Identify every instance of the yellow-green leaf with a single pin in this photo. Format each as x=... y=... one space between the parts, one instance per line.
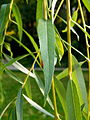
x=87 y=4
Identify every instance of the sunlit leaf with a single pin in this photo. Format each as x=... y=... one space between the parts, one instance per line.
x=74 y=17
x=87 y=4
x=18 y=18
x=72 y=101
x=35 y=105
x=47 y=46
x=19 y=104
x=4 y=18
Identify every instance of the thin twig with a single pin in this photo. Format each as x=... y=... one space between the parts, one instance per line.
x=30 y=71
x=69 y=39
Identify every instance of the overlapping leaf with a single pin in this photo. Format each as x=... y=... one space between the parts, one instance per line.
x=47 y=44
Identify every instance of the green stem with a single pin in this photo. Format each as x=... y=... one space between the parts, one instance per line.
x=54 y=101
x=30 y=70
x=58 y=9
x=69 y=39
x=45 y=9
x=88 y=55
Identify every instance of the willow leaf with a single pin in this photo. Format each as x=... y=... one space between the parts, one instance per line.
x=72 y=101
x=13 y=60
x=41 y=87
x=62 y=95
x=19 y=109
x=18 y=18
x=59 y=47
x=4 y=17
x=13 y=76
x=47 y=46
x=79 y=81
x=87 y=4
x=39 y=14
x=35 y=105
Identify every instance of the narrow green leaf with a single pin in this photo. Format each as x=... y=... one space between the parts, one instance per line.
x=87 y=4
x=39 y=13
x=47 y=46
x=63 y=74
x=28 y=35
x=72 y=101
x=13 y=60
x=23 y=69
x=32 y=40
x=7 y=106
x=79 y=81
x=12 y=75
x=28 y=89
x=19 y=104
x=14 y=117
x=27 y=49
x=74 y=17
x=35 y=105
x=8 y=47
x=41 y=87
x=59 y=47
x=18 y=18
x=4 y=17
x=62 y=95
